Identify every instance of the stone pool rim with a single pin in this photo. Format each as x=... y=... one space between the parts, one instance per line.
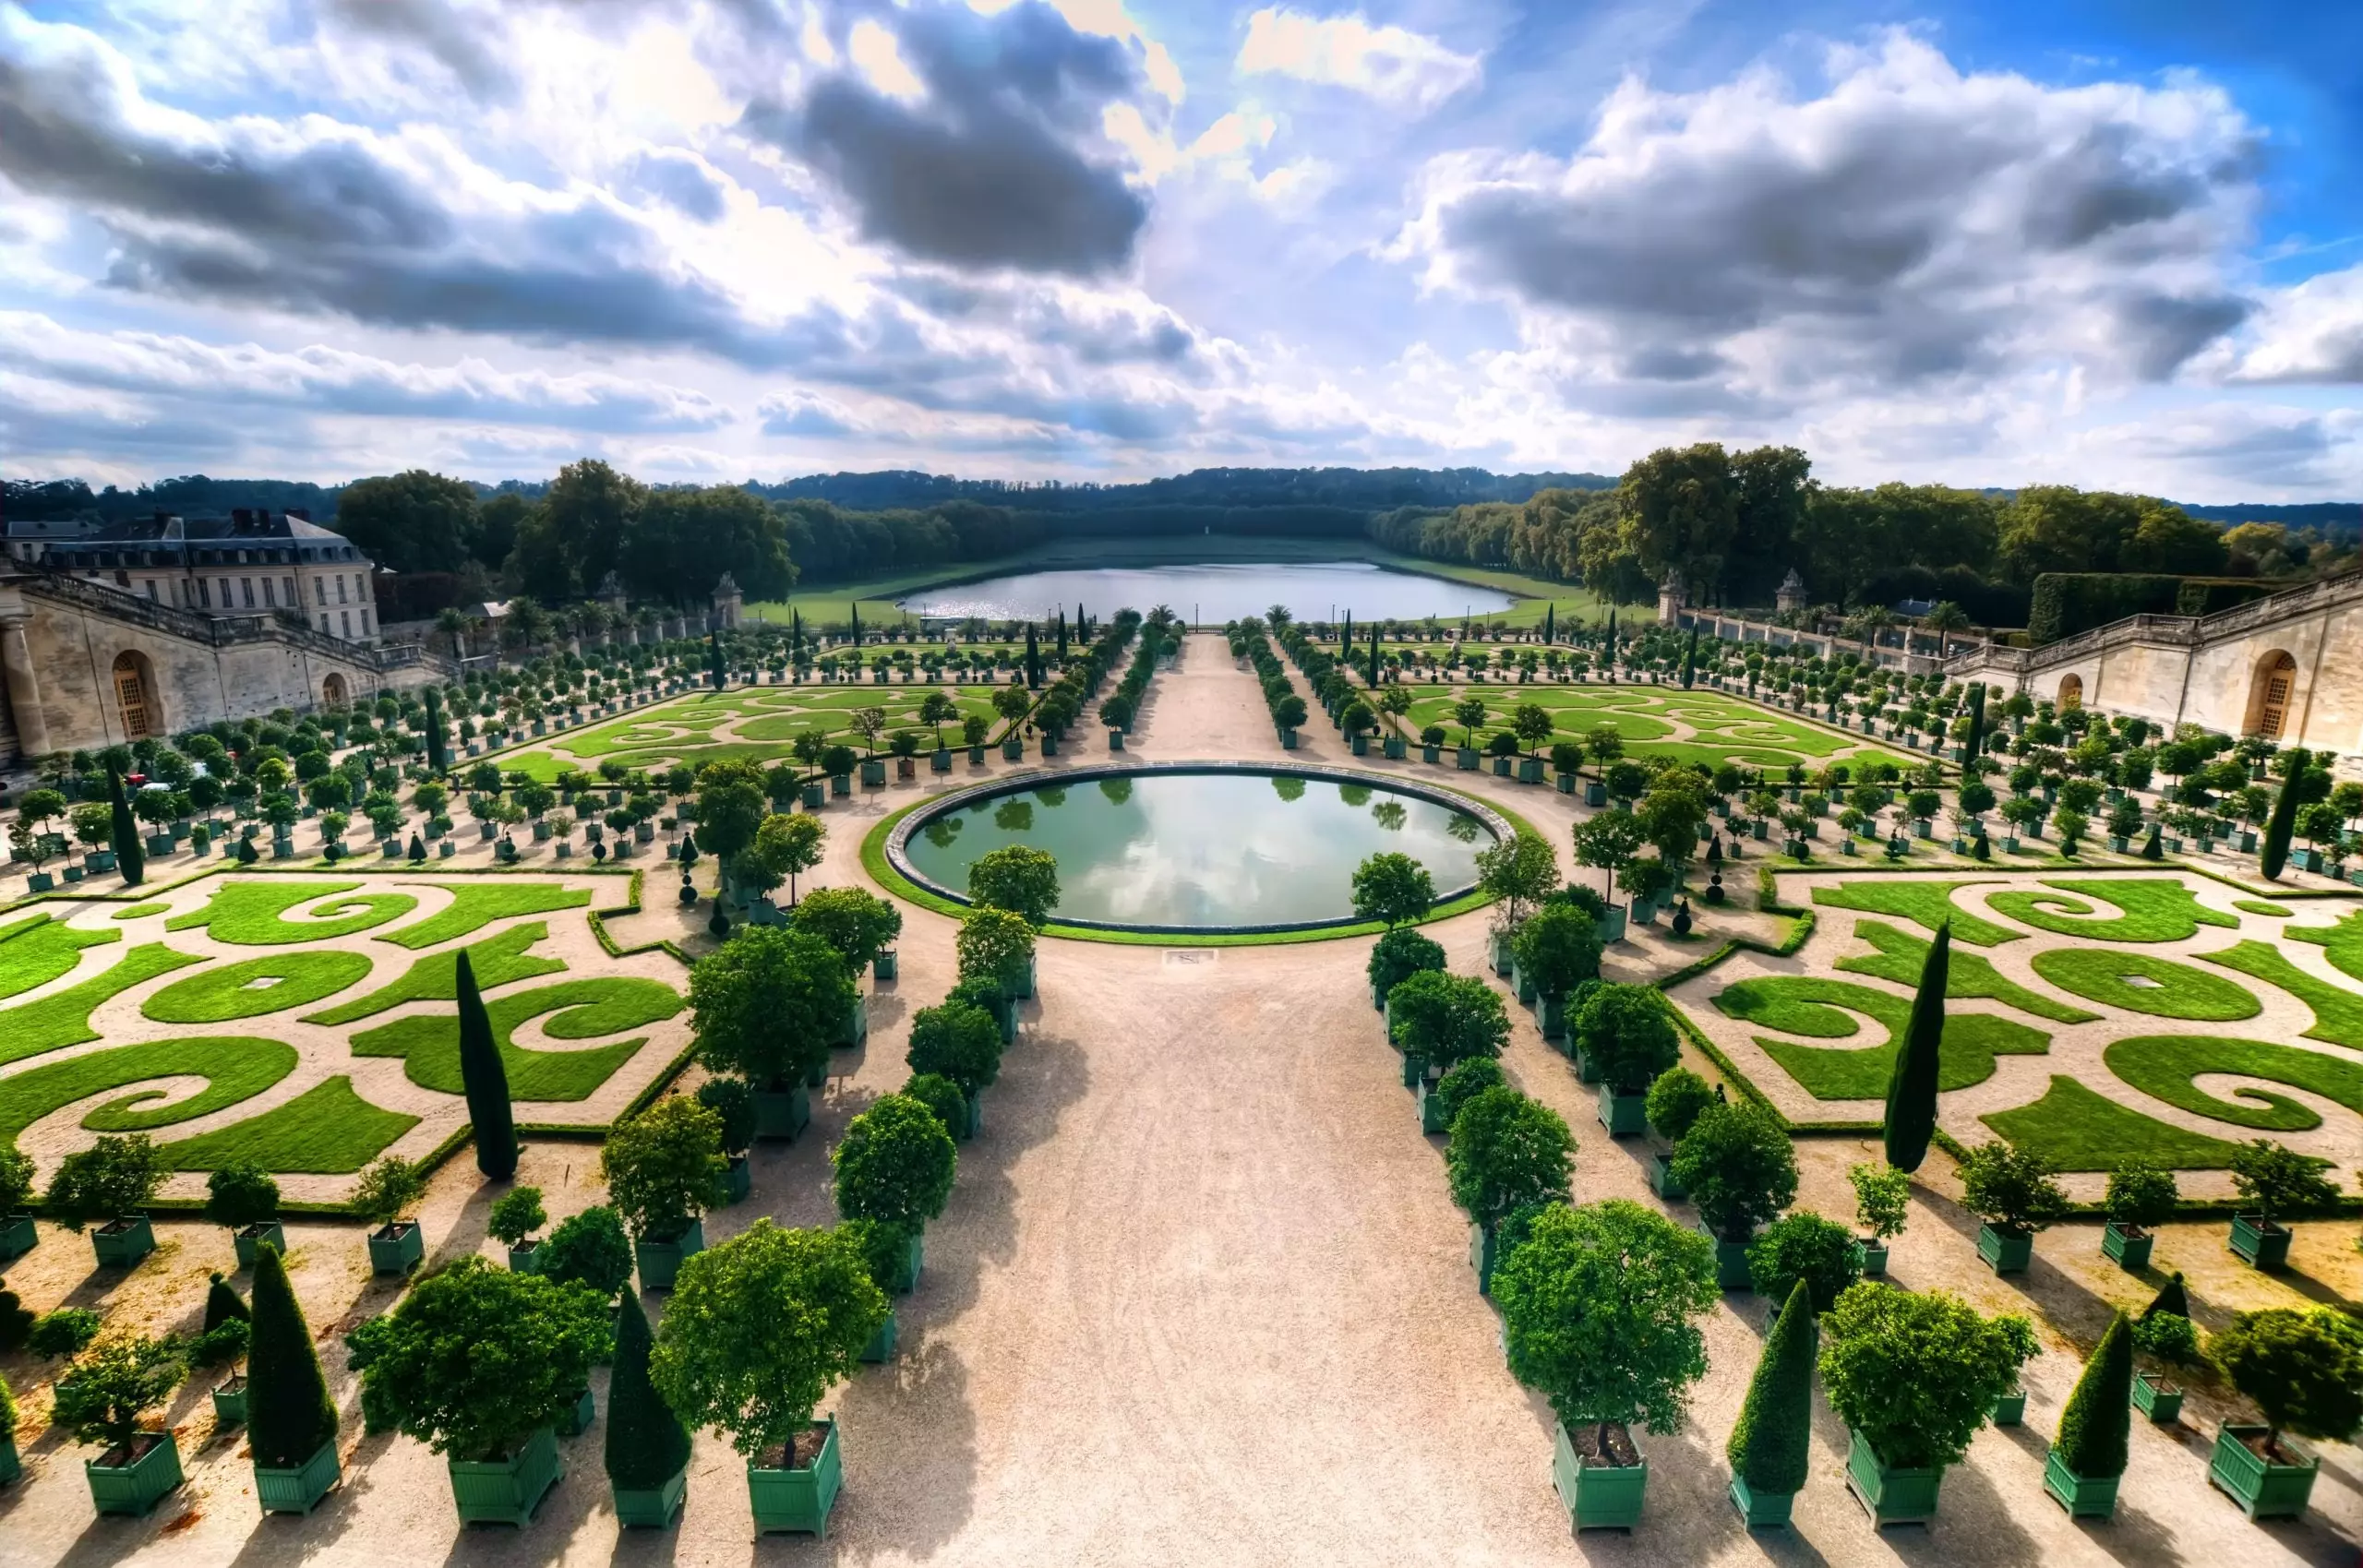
x=918 y=814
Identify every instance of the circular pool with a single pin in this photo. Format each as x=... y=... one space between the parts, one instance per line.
x=1193 y=848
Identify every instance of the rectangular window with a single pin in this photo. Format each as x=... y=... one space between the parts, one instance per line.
x=345 y=618
x=269 y=601
x=324 y=620
x=246 y=586
x=294 y=600
x=320 y=593
x=339 y=588
x=204 y=596
x=364 y=622
x=152 y=593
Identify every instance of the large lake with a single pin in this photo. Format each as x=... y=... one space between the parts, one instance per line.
x=1209 y=595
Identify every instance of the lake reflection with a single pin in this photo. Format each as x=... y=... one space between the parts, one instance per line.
x=1311 y=590
x=1207 y=849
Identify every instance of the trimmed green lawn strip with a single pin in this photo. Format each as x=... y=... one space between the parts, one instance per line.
x=1804 y=1005
x=249 y=913
x=36 y=951
x=2342 y=942
x=216 y=995
x=478 y=905
x=497 y=960
x=2338 y=1013
x=2257 y=907
x=2079 y=1129
x=327 y=1130
x=583 y=1009
x=135 y=911
x=1925 y=903
x=235 y=1068
x=1969 y=975
x=2155 y=909
x=63 y=1018
x=2100 y=975
x=2167 y=1066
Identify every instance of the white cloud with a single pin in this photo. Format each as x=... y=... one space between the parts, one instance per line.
x=1393 y=65
x=874 y=51
x=2312 y=332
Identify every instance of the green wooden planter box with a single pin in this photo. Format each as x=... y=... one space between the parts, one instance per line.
x=507 y=1491
x=1587 y=1070
x=1874 y=1258
x=11 y=1467
x=2128 y=1251
x=1012 y=749
x=1530 y=770
x=1430 y=1110
x=811 y=796
x=1501 y=767
x=909 y=1265
x=298 y=1491
x=2010 y=1410
x=2006 y=1252
x=1414 y=1070
x=1565 y=783
x=1504 y=963
x=1024 y=986
x=2260 y=1242
x=1732 y=1272
x=1662 y=1180
x=873 y=773
x=2156 y=1398
x=136 y=1488
x=1762 y=1510
x=1358 y=745
x=577 y=1417
x=1891 y=1494
x=121 y=1243
x=887 y=966
x=972 y=1117
x=938 y=762
x=856 y=1028
x=882 y=1344
x=1623 y=1115
x=652 y=1509
x=230 y=1401
x=17 y=1236
x=1551 y=1017
x=1465 y=758
x=1431 y=753
x=254 y=1236
x=840 y=784
x=1484 y=1251
x=661 y=1261
x=1396 y=748
x=782 y=1113
x=1597 y=1497
x=737 y=1182
x=797 y=1500
x=1522 y=983
x=397 y=1248
x=521 y=1260
x=2264 y=1491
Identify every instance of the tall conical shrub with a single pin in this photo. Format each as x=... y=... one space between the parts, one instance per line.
x=2171 y=1297
x=2284 y=820
x=130 y=854
x=1549 y=625
x=289 y=1413
x=486 y=1080
x=646 y=1442
x=439 y=755
x=714 y=658
x=2096 y=1425
x=1690 y=660
x=854 y=606
x=1033 y=660
x=1771 y=1447
x=1912 y=1091
x=1974 y=741
x=1373 y=658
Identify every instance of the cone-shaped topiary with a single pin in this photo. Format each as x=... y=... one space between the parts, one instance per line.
x=289 y=1413
x=486 y=1082
x=2094 y=1428
x=437 y=757
x=646 y=1442
x=222 y=1303
x=1772 y=1446
x=1912 y=1091
x=130 y=854
x=1974 y=742
x=2171 y=1297
x=2274 y=854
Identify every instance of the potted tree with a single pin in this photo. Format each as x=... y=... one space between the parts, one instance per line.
x=2012 y=1190
x=996 y=946
x=2164 y=1332
x=1598 y=1305
x=2303 y=1368
x=766 y=1005
x=17 y=1235
x=589 y=1248
x=1882 y=1204
x=648 y=1449
x=1626 y=1038
x=2274 y=1182
x=1736 y=1163
x=222 y=1341
x=2084 y=1466
x=859 y=927
x=1677 y=1100
x=960 y=1042
x=758 y=1331
x=1771 y=1447
x=731 y=1099
x=112 y=1181
x=2139 y=1195
x=384 y=1192
x=1506 y=1151
x=894 y=1166
x=1396 y=957
x=242 y=1197
x=291 y=1421
x=1801 y=1248
x=1440 y=1020
x=662 y=1168
x=482 y=1364
x=100 y=1400
x=1913 y=1375
x=516 y=1215
x=1552 y=952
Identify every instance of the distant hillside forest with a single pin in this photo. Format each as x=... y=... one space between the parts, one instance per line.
x=1732 y=521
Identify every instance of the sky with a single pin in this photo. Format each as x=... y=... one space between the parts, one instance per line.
x=2110 y=243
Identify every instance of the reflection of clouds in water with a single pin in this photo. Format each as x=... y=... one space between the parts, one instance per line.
x=1288 y=788
x=1014 y=816
x=1389 y=814
x=1118 y=789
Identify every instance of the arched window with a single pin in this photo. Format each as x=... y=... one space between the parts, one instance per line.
x=2071 y=693
x=135 y=696
x=333 y=691
x=2269 y=688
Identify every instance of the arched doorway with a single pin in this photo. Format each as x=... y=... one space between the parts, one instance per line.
x=2270 y=689
x=135 y=696
x=333 y=691
x=2071 y=693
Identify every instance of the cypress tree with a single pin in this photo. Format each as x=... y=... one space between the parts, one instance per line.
x=855 y=605
x=1976 y=741
x=2099 y=1421
x=646 y=1444
x=289 y=1413
x=1690 y=660
x=1063 y=636
x=1345 y=637
x=130 y=854
x=1912 y=1091
x=2171 y=1297
x=1549 y=625
x=438 y=758
x=1373 y=658
x=795 y=632
x=221 y=1304
x=1033 y=660
x=714 y=658
x=1772 y=1446
x=2284 y=820
x=485 y=1081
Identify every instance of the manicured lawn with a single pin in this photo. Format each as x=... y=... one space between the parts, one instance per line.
x=235 y=1068
x=1804 y=1005
x=1726 y=729
x=1925 y=903
x=326 y=1131
x=63 y=1018
x=256 y=987
x=2167 y=1066
x=2342 y=942
x=2257 y=907
x=38 y=950
x=2338 y=1012
x=478 y=905
x=2176 y=990
x=583 y=1009
x=248 y=912
x=137 y=911
x=1901 y=955
x=497 y=961
x=2078 y=1128
x=2150 y=909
